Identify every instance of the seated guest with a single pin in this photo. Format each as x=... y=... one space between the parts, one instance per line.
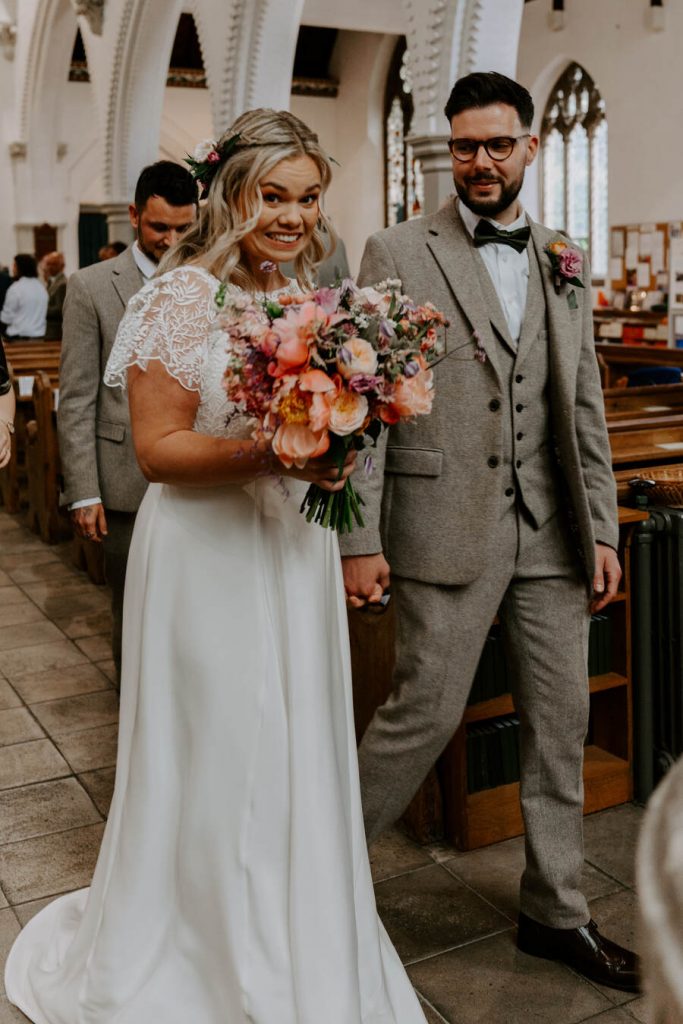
x=56 y=291
x=24 y=310
x=6 y=411
x=5 y=282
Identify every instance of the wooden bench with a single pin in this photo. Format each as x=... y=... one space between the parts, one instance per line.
x=616 y=360
x=43 y=465
x=637 y=444
x=655 y=400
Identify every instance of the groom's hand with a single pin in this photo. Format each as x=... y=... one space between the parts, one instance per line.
x=366 y=577
x=606 y=578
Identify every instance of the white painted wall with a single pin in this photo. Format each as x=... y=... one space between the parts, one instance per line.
x=640 y=76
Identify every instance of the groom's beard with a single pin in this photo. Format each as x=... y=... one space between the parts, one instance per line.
x=488 y=207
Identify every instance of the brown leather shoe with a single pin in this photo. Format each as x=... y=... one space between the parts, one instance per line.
x=584 y=949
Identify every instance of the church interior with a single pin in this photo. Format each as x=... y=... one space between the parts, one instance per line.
x=93 y=91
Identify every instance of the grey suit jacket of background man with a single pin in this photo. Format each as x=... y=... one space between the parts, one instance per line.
x=433 y=501
x=56 y=293
x=95 y=443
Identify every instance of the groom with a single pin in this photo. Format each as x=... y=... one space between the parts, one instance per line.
x=502 y=500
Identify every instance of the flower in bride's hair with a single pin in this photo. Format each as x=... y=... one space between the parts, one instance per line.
x=268 y=267
x=203 y=150
x=295 y=443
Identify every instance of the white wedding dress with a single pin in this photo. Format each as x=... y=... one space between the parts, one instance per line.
x=233 y=884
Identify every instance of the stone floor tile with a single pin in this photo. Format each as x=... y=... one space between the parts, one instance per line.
x=9 y=1014
x=617 y=1015
x=45 y=808
x=495 y=871
x=17 y=725
x=491 y=982
x=8 y=697
x=24 y=544
x=641 y=1010
x=36 y=556
x=25 y=911
x=48 y=865
x=52 y=570
x=59 y=718
x=9 y=929
x=76 y=626
x=610 y=840
x=60 y=682
x=97 y=647
x=54 y=595
x=29 y=634
x=28 y=660
x=109 y=668
x=11 y=595
x=5 y=581
x=20 y=612
x=428 y=911
x=93 y=748
x=22 y=764
x=3 y=899
x=431 y=1016
x=100 y=786
x=394 y=854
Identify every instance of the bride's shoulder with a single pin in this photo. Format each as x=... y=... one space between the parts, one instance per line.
x=186 y=286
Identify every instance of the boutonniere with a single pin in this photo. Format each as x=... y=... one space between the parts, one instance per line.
x=566 y=262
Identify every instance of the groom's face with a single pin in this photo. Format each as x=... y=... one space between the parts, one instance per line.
x=488 y=186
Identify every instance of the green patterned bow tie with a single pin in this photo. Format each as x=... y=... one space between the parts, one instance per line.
x=486 y=232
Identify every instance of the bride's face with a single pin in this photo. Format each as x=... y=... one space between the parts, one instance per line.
x=291 y=195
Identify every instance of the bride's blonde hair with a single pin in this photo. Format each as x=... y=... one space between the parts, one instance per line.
x=234 y=202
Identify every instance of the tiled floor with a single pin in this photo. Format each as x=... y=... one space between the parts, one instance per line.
x=451 y=915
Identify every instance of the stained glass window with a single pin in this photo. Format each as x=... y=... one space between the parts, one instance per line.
x=404 y=177
x=574 y=164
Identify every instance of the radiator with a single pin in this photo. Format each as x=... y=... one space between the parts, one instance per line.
x=658 y=646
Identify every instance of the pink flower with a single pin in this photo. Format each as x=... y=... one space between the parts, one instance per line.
x=414 y=396
x=322 y=389
x=295 y=443
x=348 y=413
x=570 y=262
x=213 y=157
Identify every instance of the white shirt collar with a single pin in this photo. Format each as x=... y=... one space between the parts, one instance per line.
x=471 y=219
x=145 y=265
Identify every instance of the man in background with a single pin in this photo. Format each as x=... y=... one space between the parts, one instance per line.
x=103 y=485
x=55 y=282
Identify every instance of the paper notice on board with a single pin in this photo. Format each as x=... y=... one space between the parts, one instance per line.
x=678 y=326
x=643 y=275
x=617 y=243
x=657 y=261
x=633 y=240
x=616 y=269
x=646 y=245
x=631 y=258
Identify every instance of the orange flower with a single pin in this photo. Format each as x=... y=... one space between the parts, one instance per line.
x=413 y=396
x=321 y=389
x=295 y=443
x=348 y=413
x=557 y=247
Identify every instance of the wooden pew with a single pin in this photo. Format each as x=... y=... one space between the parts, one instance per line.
x=641 y=445
x=43 y=465
x=656 y=400
x=616 y=360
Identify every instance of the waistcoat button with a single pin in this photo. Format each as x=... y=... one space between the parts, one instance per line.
x=520 y=435
x=509 y=491
x=494 y=405
x=519 y=378
x=493 y=461
x=519 y=407
x=518 y=463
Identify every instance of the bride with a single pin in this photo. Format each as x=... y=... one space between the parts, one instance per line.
x=233 y=884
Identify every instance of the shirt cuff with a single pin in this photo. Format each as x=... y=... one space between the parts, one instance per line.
x=84 y=502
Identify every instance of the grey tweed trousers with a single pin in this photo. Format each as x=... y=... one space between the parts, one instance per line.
x=535 y=582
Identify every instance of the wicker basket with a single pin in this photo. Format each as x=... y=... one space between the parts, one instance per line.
x=668 y=489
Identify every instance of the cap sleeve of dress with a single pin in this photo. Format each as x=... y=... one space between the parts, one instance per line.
x=168 y=320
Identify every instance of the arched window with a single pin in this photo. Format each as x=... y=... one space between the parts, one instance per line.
x=404 y=181
x=574 y=158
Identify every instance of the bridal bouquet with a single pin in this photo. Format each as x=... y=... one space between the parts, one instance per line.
x=327 y=371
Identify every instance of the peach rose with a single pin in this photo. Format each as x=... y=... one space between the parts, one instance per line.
x=557 y=247
x=348 y=413
x=413 y=396
x=295 y=443
x=361 y=358
x=321 y=388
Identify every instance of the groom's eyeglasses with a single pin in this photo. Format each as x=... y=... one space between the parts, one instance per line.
x=498 y=149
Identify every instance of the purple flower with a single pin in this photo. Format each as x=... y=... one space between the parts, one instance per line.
x=328 y=300
x=268 y=267
x=570 y=262
x=386 y=330
x=411 y=369
x=369 y=465
x=480 y=354
x=364 y=382
x=345 y=356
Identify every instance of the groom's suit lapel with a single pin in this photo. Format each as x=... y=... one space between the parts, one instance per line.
x=564 y=331
x=463 y=268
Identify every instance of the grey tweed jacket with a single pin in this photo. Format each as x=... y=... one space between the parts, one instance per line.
x=95 y=443
x=434 y=500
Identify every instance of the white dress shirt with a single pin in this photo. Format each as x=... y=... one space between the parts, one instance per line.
x=25 y=309
x=148 y=269
x=508 y=269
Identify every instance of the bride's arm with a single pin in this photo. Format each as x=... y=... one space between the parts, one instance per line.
x=169 y=451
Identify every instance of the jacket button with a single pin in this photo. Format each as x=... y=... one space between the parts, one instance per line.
x=509 y=491
x=493 y=461
x=519 y=407
x=518 y=463
x=520 y=435
x=519 y=378
x=494 y=405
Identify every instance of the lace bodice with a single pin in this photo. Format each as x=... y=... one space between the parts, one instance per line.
x=174 y=319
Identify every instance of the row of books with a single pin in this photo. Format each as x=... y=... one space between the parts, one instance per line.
x=492 y=680
x=492 y=753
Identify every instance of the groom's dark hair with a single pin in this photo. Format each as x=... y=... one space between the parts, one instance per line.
x=483 y=89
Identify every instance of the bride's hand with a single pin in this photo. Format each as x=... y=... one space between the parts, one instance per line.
x=324 y=471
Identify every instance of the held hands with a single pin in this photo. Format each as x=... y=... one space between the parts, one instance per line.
x=606 y=578
x=323 y=471
x=90 y=522
x=366 y=577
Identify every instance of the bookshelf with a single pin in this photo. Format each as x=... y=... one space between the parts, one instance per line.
x=446 y=806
